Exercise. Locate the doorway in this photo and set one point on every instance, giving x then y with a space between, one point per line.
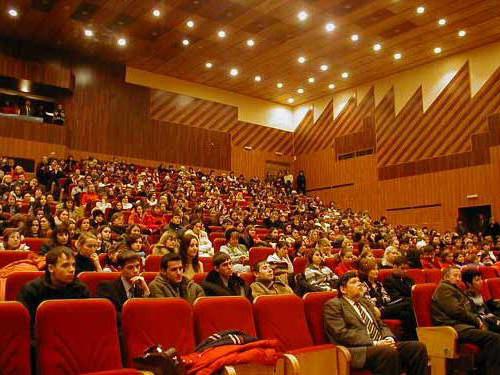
475 218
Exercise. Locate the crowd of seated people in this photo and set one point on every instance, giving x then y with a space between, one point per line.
46 111
112 215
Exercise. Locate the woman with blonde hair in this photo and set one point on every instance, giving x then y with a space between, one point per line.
87 258
168 243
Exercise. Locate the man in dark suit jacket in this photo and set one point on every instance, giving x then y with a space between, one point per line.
352 321
452 307
129 285
398 285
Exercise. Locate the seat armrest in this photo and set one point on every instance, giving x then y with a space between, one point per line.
440 341
288 365
343 360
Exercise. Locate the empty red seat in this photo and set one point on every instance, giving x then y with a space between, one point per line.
93 279
152 263
299 264
15 282
257 254
313 305
488 272
218 242
207 263
384 274
35 244
432 275
212 236
9 256
417 275
77 337
199 278
15 339
493 287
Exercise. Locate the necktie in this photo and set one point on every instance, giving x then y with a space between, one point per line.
372 329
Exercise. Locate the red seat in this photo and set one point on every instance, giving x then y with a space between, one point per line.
313 305
432 275
140 333
16 280
199 278
93 279
384 274
9 256
218 242
78 336
152 263
378 253
15 339
493 286
207 263
215 228
35 244
488 272
257 254
417 275
212 236
299 264
248 277
331 263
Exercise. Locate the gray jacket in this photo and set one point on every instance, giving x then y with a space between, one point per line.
188 289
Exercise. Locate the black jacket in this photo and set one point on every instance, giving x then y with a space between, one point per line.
213 286
84 264
114 291
398 287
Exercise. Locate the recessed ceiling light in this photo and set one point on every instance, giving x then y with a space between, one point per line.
442 22
420 10
354 37
311 80
13 12
377 47
345 75
330 26
301 59
290 100
331 86
156 13
300 91
302 15
323 68
221 34
185 42
250 42
279 85
209 65
257 78
122 42
234 72
88 33
190 24
398 56
462 33
438 50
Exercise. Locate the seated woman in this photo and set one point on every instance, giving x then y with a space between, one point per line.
62 217
137 217
168 243
318 276
104 237
189 251
32 228
325 247
273 237
237 251
83 226
154 220
12 240
87 258
59 237
390 254
250 238
347 261
205 245
46 226
134 243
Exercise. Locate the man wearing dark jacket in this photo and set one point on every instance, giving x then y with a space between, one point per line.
452 307
221 281
58 282
398 285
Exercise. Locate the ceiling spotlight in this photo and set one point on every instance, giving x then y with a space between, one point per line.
331 86
420 10
438 50
234 72
302 15
122 42
190 24
250 43
13 12
221 34
257 78
442 22
398 56
323 68
311 80
156 13
290 100
462 33
345 75
88 33
209 65
279 85
354 37
377 47
300 91
330 26
185 42
301 59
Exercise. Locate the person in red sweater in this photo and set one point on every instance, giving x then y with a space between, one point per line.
428 258
347 261
154 220
90 196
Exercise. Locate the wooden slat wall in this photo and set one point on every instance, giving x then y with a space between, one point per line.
33 131
253 163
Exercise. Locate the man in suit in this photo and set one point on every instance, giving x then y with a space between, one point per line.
352 321
129 285
452 307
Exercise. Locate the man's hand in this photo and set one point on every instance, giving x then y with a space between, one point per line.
388 341
142 283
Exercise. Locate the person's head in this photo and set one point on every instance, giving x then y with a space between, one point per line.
325 246
169 240
11 239
176 217
447 257
368 270
105 233
282 249
45 223
133 229
222 264
400 266
315 257
233 237
347 255
60 266
452 274
134 242
350 286
87 244
60 236
197 227
390 254
472 279
117 219
263 271
367 253
171 268
84 224
129 263
34 226
189 249
63 216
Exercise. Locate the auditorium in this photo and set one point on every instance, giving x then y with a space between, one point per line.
249 187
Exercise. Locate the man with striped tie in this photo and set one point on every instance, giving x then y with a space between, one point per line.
353 321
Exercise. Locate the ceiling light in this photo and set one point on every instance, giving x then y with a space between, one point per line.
311 80
156 13
122 42
302 15
279 85
185 42
438 50
257 78
462 33
209 65
301 59
354 37
88 33
345 75
300 91
250 43
420 10
442 22
377 47
221 34
331 86
290 100
330 26
234 72
398 56
13 12
190 24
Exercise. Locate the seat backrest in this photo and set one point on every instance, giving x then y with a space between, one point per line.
218 242
417 275
432 275
299 264
384 273
331 263
257 254
378 253
207 263
15 339
282 317
9 256
488 272
16 280
493 287
199 278
152 263
421 296
144 325
77 336
35 244
314 305
216 314
213 235
93 279
248 277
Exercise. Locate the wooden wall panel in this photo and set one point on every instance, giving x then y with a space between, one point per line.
253 163
34 131
24 148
